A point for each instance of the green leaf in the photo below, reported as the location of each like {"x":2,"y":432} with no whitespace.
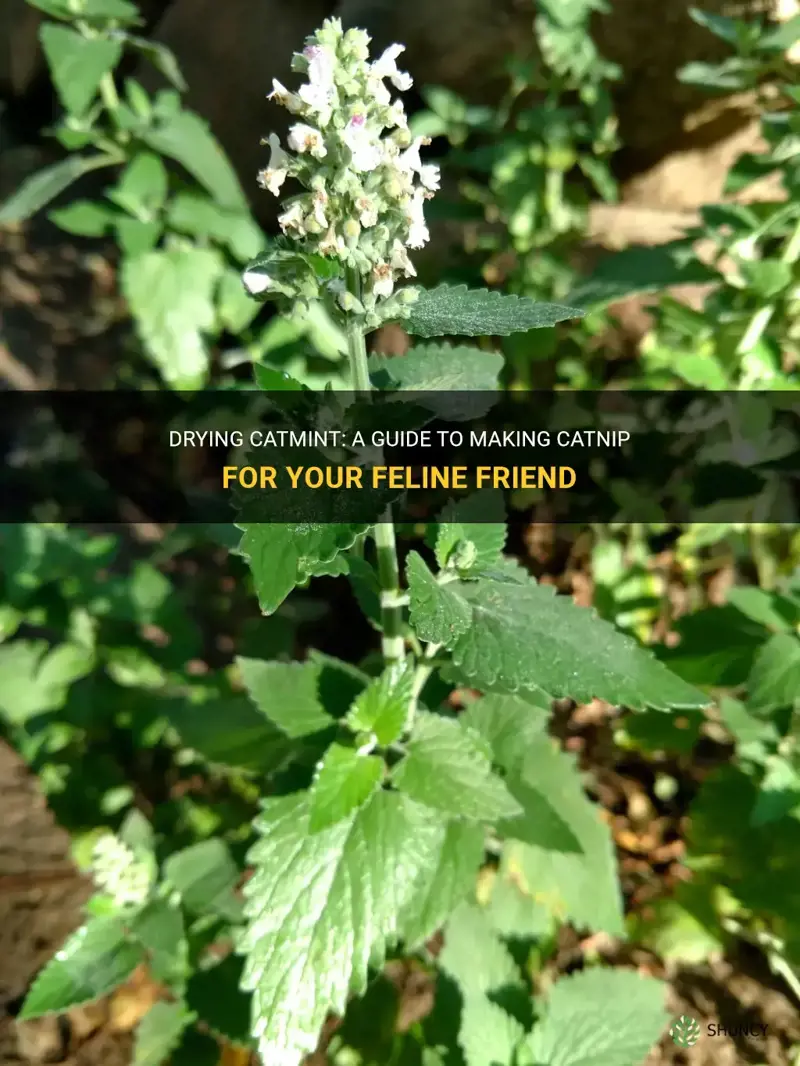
{"x":287,"y":694}
{"x":119,"y":10}
{"x":142,"y":187}
{"x":474,"y":955}
{"x":455,"y":310}
{"x":766,"y":278}
{"x":508,"y":724}
{"x":582,"y":886}
{"x":479,"y":520}
{"x":201,"y":217}
{"x":186,"y":138}
{"x":640,"y":269}
{"x":383,"y":708}
{"x":135,"y":237}
{"x":321,"y":908}
{"x":446,"y":769}
{"x":77,"y":63}
{"x":47,"y":184}
{"x":35,"y":680}
{"x":83,"y":218}
{"x":488,"y":1035}
{"x":284,"y":555}
{"x":444,"y":883}
{"x":215,"y":997}
{"x":438,"y":368}
{"x":171,"y":297}
{"x":248,"y":741}
{"x":95,"y":960}
{"x":205,"y":877}
{"x":161,"y":58}
{"x":160,"y":1032}
{"x":774,"y":680}
{"x":600,"y":1017}
{"x":509,"y":631}
{"x":344,"y":781}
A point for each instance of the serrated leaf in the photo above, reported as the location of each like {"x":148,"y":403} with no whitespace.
{"x":439,"y":368}
{"x":77,"y":63}
{"x":322,"y":907}
{"x":474,"y":956}
{"x":344,"y":782}
{"x":455,"y":310}
{"x":581,"y":887}
{"x":502,"y":630}
{"x":444,"y":884}
{"x":284,"y":555}
{"x":488,"y":1035}
{"x":161,"y":57}
{"x":479,"y":520}
{"x":288,"y":694}
{"x":774,"y":680}
{"x":508,"y":724}
{"x":205,"y":877}
{"x":248,"y":741}
{"x":383,"y":708}
{"x":215,"y":997}
{"x":446,"y":769}
{"x":171,"y":296}
{"x":186,"y":138}
{"x":84,"y":218}
{"x":160,"y":1032}
{"x":159,"y":929}
{"x":95,"y":960}
{"x":600,"y":1017}
{"x":635,"y":270}
{"x":37,"y":191}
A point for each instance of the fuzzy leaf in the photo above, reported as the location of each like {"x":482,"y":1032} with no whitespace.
{"x":774,"y":680}
{"x":249,"y":740}
{"x":171,"y":297}
{"x":474,"y":955}
{"x":95,"y":960}
{"x":186,"y":138}
{"x":455,"y":310}
{"x":504,"y":629}
{"x":321,"y":908}
{"x":283,"y":555}
{"x":444,"y":883}
{"x":446,"y":769}
{"x":384,"y":706}
{"x":160,"y":1032}
{"x":344,"y":782}
{"x":77,"y":63}
{"x":439,"y":368}
{"x":468,"y":520}
{"x":205,"y":876}
{"x":640,"y":269}
{"x":579,"y":886}
{"x":508,"y":724}
{"x":488,"y":1035}
{"x":38,"y":190}
{"x":288,"y":694}
{"x":599,"y":1017}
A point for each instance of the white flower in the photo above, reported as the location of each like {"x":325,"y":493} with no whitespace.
{"x":319,"y":92}
{"x":382,"y":280}
{"x":418,"y":235}
{"x":292,"y":218}
{"x":397,"y":116}
{"x":274,"y":174}
{"x":304,"y":138}
{"x":357,"y":137}
{"x":331,"y":243}
{"x":430,"y":176}
{"x":400,"y":260}
{"x":386,"y":67}
{"x":320,"y":201}
{"x":281,"y":95}
{"x":367,"y":211}
{"x":256,"y":282}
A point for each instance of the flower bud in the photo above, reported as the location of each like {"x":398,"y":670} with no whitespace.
{"x":351,"y":230}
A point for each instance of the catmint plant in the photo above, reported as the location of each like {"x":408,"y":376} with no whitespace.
{"x":379,"y":804}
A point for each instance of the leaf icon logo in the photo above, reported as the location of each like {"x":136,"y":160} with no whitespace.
{"x":685,"y":1031}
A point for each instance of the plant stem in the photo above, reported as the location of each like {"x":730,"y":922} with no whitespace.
{"x":391,"y":596}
